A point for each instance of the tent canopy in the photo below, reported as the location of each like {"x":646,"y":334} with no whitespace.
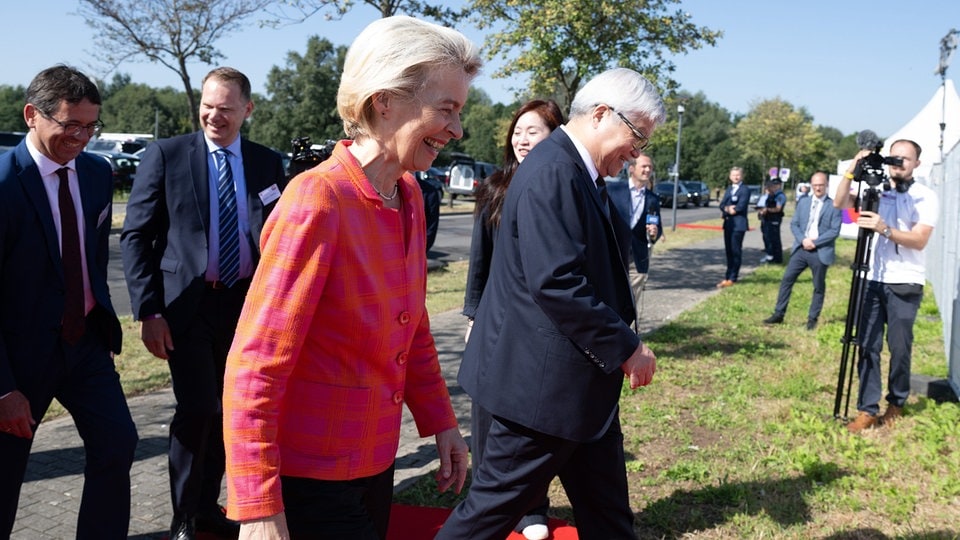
{"x":924,"y":128}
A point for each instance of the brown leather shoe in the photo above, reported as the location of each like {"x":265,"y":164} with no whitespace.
{"x":863,"y":421}
{"x":724,"y":284}
{"x":891,"y":415}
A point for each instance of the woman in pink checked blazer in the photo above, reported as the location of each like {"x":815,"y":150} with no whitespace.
{"x":334,"y":337}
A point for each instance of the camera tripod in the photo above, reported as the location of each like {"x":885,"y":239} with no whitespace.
{"x":870,"y":201}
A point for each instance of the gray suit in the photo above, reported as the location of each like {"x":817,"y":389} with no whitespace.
{"x":822,"y":256}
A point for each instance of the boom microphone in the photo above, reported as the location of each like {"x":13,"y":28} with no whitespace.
{"x":868,"y":140}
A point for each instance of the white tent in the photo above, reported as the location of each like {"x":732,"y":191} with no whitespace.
{"x":924,"y":128}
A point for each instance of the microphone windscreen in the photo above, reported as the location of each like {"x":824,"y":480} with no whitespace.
{"x":868,"y":140}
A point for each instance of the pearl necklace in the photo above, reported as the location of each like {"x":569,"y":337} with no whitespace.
{"x":396,"y":189}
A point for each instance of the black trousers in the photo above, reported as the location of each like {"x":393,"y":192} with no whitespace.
{"x":517,"y":468}
{"x":338,"y":509}
{"x":196,"y":458}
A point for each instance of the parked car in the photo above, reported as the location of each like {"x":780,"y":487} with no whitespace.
{"x":664,"y":191}
{"x":9,"y":139}
{"x":124,"y":167}
{"x":465,"y":174}
{"x":431,"y":186}
{"x":699,"y":192}
{"x":755,"y":192}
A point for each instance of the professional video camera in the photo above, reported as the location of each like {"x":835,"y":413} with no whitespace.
{"x":305,"y":157}
{"x":870,"y":168}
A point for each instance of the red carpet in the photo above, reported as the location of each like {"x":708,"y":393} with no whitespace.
{"x":422,"y":523}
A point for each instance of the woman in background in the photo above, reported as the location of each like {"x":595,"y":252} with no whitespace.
{"x":532,"y":123}
{"x":334,"y":336}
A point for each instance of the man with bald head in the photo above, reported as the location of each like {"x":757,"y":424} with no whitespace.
{"x":815,"y":226}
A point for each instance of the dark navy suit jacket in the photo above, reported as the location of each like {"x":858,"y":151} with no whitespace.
{"x":738,"y":221}
{"x":553,"y":326}
{"x":164,"y":236}
{"x":620,"y":196}
{"x":32,"y":288}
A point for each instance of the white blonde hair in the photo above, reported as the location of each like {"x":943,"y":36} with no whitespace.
{"x":395,"y":55}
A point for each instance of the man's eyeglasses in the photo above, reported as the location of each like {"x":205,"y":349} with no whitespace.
{"x":72,"y":129}
{"x":642,"y":140}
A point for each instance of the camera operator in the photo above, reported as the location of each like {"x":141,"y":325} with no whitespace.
{"x":905,"y":217}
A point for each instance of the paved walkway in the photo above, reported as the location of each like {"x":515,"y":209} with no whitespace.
{"x":680,"y":279}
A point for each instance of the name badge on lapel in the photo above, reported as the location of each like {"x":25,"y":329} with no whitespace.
{"x":269,"y":195}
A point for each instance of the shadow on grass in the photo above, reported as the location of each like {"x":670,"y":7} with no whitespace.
{"x":873,"y":534}
{"x":688,"y":511}
{"x":682,"y":341}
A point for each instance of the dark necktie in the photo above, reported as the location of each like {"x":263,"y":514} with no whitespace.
{"x":74,"y":309}
{"x":229,"y":255}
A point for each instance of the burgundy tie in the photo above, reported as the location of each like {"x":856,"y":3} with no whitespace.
{"x":74,"y":309}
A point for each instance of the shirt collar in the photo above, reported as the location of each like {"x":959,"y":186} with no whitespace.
{"x":233,"y":148}
{"x":584,"y":155}
{"x":45,"y":165}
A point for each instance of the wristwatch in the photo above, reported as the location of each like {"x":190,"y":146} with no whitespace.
{"x":886,"y":232}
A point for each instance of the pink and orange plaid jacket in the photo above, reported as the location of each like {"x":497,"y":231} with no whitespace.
{"x":333,"y":339}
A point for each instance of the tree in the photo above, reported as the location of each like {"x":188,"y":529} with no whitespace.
{"x":138,"y":108}
{"x":301,"y":98}
{"x":560,"y":47}
{"x":484,"y":127}
{"x":171,"y":32}
{"x":705,"y":126}
{"x":778,"y":135}
{"x":335,"y":9}
{"x":11,"y":108}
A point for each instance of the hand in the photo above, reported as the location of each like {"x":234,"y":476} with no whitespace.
{"x":808,"y":244}
{"x":155,"y":335}
{"x":640,"y":367}
{"x":872,"y":221}
{"x":269,"y":528}
{"x":454,"y":460}
{"x":15,"y":416}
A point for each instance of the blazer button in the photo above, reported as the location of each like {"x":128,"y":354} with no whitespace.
{"x":398,"y":397}
{"x":404,"y":317}
{"x":402,"y":358}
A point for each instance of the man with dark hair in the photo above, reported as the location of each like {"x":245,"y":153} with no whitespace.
{"x":815,"y":227}
{"x":190,"y":245}
{"x":905,"y":217}
{"x":58,"y":328}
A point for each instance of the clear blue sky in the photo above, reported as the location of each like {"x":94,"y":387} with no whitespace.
{"x":852,"y":65}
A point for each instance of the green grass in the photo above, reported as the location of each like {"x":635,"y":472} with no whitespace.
{"x":736,"y":438}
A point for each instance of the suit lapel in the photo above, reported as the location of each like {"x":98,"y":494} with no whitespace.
{"x":252,"y":176}
{"x":33,"y":186}
{"x":200,"y":173}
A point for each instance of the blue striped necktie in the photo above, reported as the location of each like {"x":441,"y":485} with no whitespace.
{"x":229,"y":255}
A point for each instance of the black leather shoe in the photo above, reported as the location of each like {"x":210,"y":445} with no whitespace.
{"x":182,"y":529}
{"x":216,"y":522}
{"x":773,"y":319}
{"x":811,"y":324}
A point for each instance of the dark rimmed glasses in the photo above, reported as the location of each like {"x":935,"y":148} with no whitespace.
{"x":641,"y":140}
{"x":72,"y":129}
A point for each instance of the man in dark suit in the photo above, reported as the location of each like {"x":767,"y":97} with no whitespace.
{"x":815,"y":227}
{"x":734,"y":206}
{"x":58,"y":329}
{"x":640,"y":208}
{"x":552,"y":339}
{"x":190,"y":245}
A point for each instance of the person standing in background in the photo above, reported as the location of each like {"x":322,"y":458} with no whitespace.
{"x":640,"y":207}
{"x":771,"y":216}
{"x":815,"y":227}
{"x":190,"y":245}
{"x":905,"y":217}
{"x":734,"y":206}
{"x":532,"y":123}
{"x":58,"y":329}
